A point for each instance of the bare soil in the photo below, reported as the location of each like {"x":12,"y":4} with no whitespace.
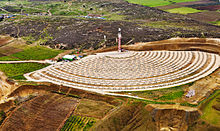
{"x":210,"y":8}
{"x":7,"y":50}
{"x":3,"y":41}
{"x":199,"y":44}
{"x":197,"y":2}
{"x":173,"y":116}
{"x":138,"y":117}
{"x":166,"y":7}
{"x":30,"y":89}
{"x":127,"y":118}
{"x":207,"y":16}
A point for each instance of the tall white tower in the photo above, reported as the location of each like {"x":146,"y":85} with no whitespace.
{"x":119,"y":39}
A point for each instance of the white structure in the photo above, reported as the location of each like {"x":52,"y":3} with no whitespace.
{"x":119,"y":39}
{"x":69,"y":57}
{"x":130,"y":71}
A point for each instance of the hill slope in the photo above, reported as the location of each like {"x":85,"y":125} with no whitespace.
{"x":139,"y":24}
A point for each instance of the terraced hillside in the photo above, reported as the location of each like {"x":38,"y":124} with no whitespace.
{"x":46,"y":112}
{"x":130,"y":71}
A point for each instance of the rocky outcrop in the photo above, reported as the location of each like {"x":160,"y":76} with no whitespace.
{"x":172,"y":117}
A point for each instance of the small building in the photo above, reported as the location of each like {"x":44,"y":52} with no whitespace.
{"x":69,"y":57}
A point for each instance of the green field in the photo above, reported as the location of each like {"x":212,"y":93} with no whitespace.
{"x":78,"y":123}
{"x":16,"y":71}
{"x":211,"y":108}
{"x":172,"y":95}
{"x":216,"y":23}
{"x":154,"y":3}
{"x":167,"y":94}
{"x":183,"y":10}
{"x":33,"y":53}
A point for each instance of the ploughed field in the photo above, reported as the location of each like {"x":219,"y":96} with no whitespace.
{"x":46,"y":112}
{"x":130,"y":71}
{"x":201,"y":10}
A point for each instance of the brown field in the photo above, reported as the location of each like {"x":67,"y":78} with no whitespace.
{"x":45,"y":112}
{"x":210,"y":8}
{"x":168,"y":7}
{"x":7,"y":50}
{"x":3,"y":41}
{"x":205,"y":16}
{"x":91,"y":108}
{"x":1,"y":55}
{"x":196,"y":2}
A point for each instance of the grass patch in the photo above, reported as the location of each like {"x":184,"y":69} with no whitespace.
{"x":151,"y":3}
{"x":215,"y":23}
{"x":149,"y":101}
{"x":33,"y":53}
{"x":16,"y":71}
{"x":162,"y":94}
{"x":115,"y":16}
{"x":8,"y":58}
{"x":154,"y":3}
{"x":167,"y":25}
{"x":183,"y":10}
{"x":188,"y":104}
{"x":172,"y":95}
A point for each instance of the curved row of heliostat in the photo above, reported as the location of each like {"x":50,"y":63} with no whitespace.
{"x":128,"y":71}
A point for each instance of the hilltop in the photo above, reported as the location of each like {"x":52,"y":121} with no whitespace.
{"x":84,"y":24}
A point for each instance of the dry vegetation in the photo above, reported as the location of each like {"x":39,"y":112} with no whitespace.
{"x":91,"y":108}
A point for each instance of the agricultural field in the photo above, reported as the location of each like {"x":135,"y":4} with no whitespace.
{"x":216,"y":23}
{"x":183,"y":10}
{"x":46,"y":111}
{"x":205,"y":11}
{"x":206,"y":16}
{"x":16,"y":71}
{"x":92,"y":108}
{"x":76,"y":123}
{"x":155,"y":3}
{"x":32,"y":53}
{"x":208,"y":7}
